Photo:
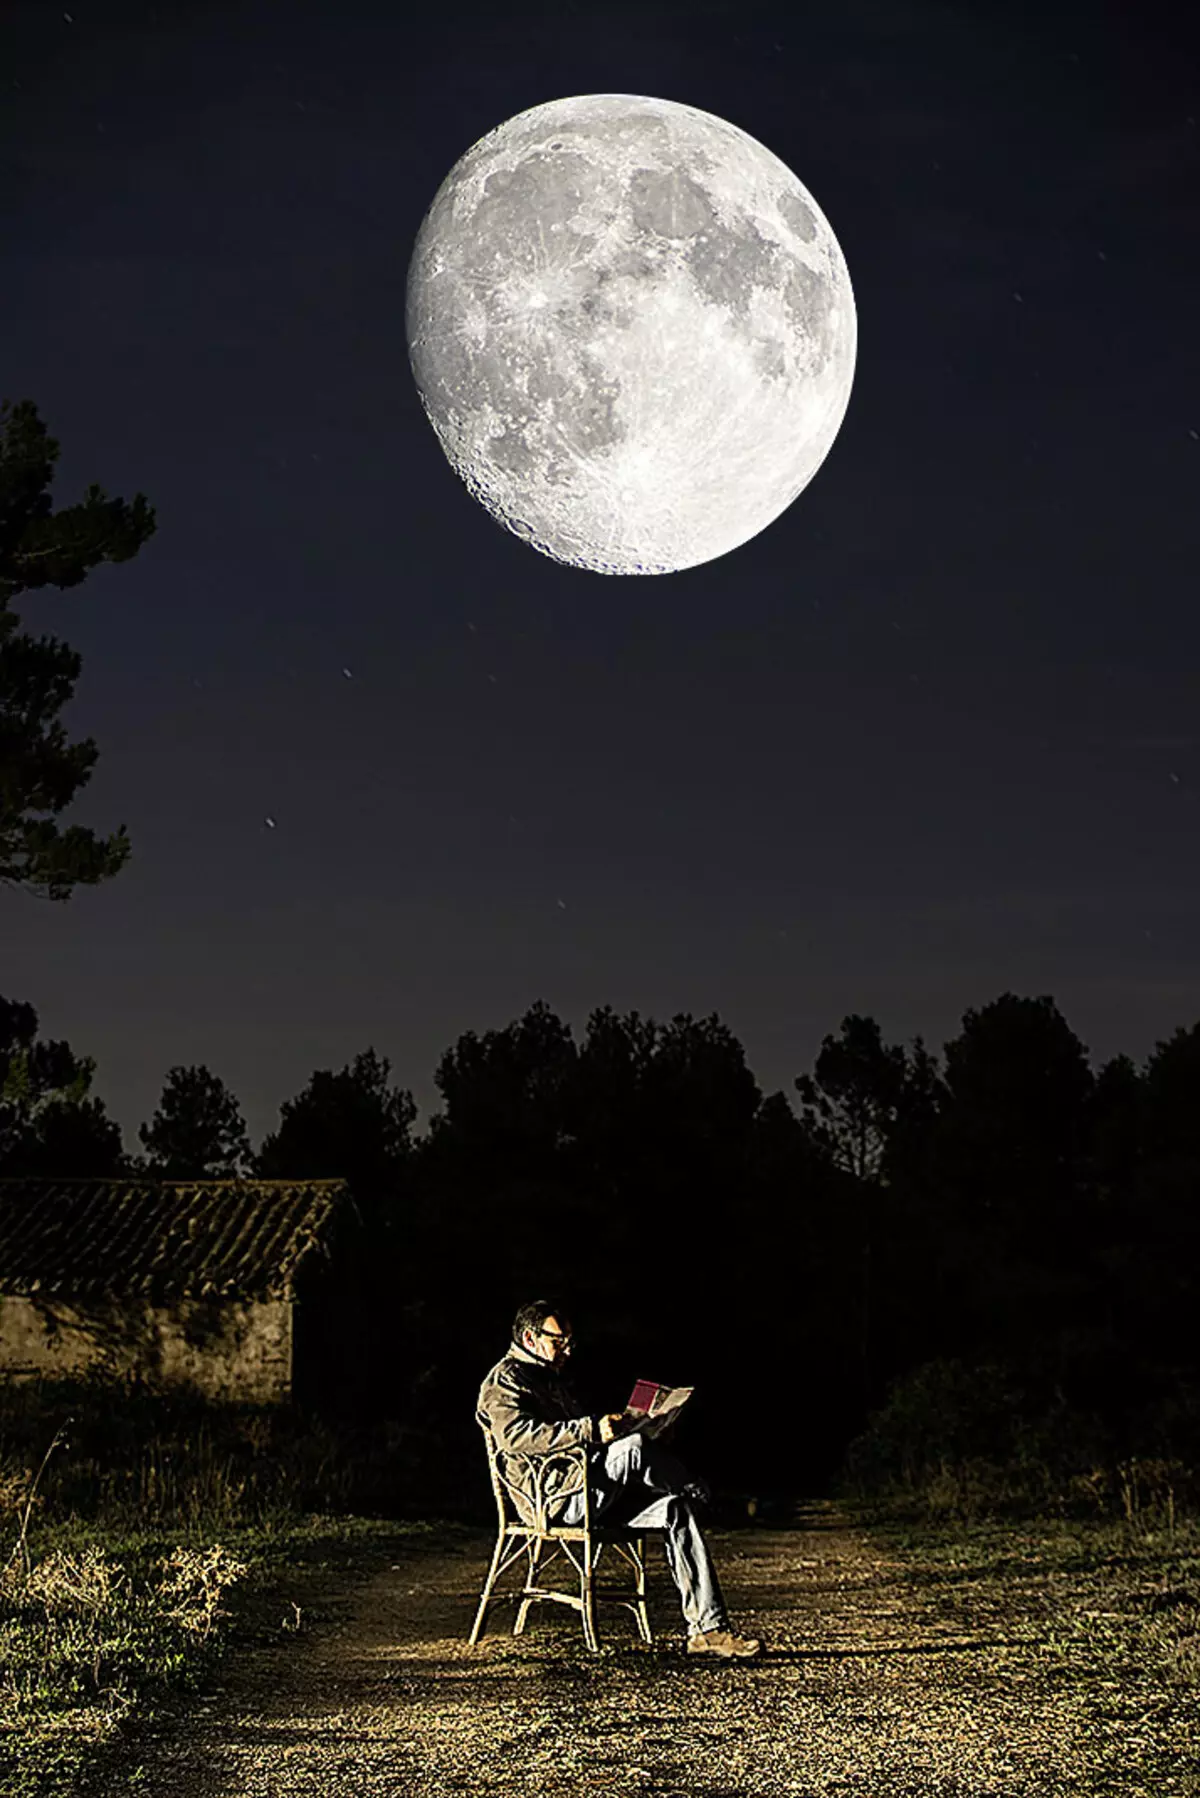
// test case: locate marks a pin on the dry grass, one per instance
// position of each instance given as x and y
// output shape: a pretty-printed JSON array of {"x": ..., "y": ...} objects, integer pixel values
[{"x": 85, "y": 1634}]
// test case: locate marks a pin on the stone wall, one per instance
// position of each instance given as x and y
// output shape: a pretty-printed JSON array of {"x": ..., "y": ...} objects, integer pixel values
[{"x": 235, "y": 1350}]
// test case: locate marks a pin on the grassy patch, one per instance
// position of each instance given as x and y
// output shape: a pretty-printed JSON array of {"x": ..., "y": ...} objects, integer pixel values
[
  {"x": 1100, "y": 1623},
  {"x": 107, "y": 1624},
  {"x": 84, "y": 1632}
]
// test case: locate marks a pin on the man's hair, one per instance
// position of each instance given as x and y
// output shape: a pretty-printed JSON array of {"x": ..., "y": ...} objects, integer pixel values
[{"x": 532, "y": 1317}]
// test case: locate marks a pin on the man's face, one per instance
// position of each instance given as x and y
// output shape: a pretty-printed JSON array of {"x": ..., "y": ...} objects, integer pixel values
[{"x": 551, "y": 1343}]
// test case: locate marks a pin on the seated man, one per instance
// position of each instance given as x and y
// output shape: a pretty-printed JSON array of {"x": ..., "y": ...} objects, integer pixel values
[{"x": 528, "y": 1405}]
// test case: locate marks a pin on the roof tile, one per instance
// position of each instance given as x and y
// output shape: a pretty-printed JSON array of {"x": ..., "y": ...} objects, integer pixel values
[{"x": 166, "y": 1239}]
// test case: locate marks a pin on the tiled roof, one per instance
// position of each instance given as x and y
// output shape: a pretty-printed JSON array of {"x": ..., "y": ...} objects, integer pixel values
[{"x": 162, "y": 1239}]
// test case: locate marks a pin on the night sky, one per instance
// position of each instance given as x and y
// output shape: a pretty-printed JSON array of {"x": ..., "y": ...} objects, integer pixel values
[{"x": 933, "y": 735}]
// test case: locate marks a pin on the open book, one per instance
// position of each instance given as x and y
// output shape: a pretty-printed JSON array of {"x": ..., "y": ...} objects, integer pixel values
[{"x": 656, "y": 1407}]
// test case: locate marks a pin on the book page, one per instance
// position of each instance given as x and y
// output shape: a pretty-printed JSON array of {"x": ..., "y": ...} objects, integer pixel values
[{"x": 668, "y": 1400}]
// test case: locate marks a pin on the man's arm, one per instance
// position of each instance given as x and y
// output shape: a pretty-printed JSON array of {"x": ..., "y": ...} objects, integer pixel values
[{"x": 517, "y": 1429}]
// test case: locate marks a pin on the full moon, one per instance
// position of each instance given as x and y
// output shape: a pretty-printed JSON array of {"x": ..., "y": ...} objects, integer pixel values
[{"x": 632, "y": 329}]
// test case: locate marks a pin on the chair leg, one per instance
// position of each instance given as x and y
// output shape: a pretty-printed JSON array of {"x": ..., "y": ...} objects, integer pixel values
[
  {"x": 486, "y": 1594},
  {"x": 533, "y": 1549},
  {"x": 587, "y": 1594},
  {"x": 641, "y": 1613}
]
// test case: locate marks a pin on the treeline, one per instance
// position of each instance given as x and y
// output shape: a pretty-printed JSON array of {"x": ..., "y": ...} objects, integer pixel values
[{"x": 997, "y": 1245}]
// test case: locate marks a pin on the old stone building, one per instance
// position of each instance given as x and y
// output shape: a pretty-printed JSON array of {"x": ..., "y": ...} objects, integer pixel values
[{"x": 241, "y": 1289}]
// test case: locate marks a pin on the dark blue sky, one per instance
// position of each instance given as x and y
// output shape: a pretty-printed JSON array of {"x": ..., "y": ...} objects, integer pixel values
[{"x": 933, "y": 735}]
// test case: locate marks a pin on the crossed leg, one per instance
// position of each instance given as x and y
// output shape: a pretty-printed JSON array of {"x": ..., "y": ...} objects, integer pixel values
[{"x": 641, "y": 1485}]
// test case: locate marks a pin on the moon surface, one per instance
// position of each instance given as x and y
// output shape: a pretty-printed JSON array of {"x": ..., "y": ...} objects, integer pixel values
[{"x": 632, "y": 329}]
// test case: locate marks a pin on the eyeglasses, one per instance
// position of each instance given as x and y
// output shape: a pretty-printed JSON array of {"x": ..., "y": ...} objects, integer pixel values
[{"x": 558, "y": 1336}]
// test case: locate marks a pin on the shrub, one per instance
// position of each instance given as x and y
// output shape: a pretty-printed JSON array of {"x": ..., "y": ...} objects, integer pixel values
[{"x": 1005, "y": 1438}]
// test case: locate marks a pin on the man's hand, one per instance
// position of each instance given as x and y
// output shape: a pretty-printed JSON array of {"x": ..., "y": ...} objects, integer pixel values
[{"x": 610, "y": 1426}]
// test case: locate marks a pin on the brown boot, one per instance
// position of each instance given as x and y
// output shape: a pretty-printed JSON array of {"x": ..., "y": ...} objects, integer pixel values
[{"x": 723, "y": 1645}]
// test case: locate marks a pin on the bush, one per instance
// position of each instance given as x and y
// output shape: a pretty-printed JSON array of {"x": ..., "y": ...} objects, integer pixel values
[
  {"x": 1006, "y": 1438},
  {"x": 137, "y": 1461},
  {"x": 84, "y": 1635}
]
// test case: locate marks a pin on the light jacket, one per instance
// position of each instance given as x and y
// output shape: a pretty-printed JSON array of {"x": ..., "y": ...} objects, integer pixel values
[{"x": 530, "y": 1409}]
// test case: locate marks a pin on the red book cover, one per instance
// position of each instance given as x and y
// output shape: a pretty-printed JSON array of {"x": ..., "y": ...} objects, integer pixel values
[{"x": 643, "y": 1396}]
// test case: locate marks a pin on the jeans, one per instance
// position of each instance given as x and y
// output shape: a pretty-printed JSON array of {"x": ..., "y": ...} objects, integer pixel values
[{"x": 638, "y": 1484}]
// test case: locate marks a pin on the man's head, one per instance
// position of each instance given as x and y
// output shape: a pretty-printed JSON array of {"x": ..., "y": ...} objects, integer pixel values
[{"x": 542, "y": 1329}]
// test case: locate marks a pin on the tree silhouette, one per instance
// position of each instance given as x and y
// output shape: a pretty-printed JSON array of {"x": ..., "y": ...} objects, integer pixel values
[
  {"x": 71, "y": 1140},
  {"x": 50, "y": 1125},
  {"x": 1167, "y": 1241},
  {"x": 197, "y": 1132},
  {"x": 1017, "y": 1222},
  {"x": 1018, "y": 1092},
  {"x": 652, "y": 1103},
  {"x": 504, "y": 1094},
  {"x": 869, "y": 1107},
  {"x": 1172, "y": 1098},
  {"x": 911, "y": 1132},
  {"x": 353, "y": 1125},
  {"x": 358, "y": 1344},
  {"x": 500, "y": 1207},
  {"x": 851, "y": 1100},
  {"x": 1116, "y": 1131},
  {"x": 40, "y": 770},
  {"x": 908, "y": 1307},
  {"x": 703, "y": 1097}
]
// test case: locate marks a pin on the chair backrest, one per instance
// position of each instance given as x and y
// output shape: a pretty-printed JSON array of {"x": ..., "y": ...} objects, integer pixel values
[
  {"x": 498, "y": 1486},
  {"x": 547, "y": 1482}
]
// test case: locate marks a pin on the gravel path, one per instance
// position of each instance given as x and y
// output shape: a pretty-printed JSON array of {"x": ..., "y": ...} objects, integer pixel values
[{"x": 869, "y": 1691}]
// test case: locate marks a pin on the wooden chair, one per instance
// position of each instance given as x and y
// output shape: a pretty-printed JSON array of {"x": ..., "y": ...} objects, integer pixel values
[{"x": 525, "y": 1530}]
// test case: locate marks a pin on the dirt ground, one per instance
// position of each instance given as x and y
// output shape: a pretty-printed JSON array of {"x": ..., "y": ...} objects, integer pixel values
[{"x": 873, "y": 1687}]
